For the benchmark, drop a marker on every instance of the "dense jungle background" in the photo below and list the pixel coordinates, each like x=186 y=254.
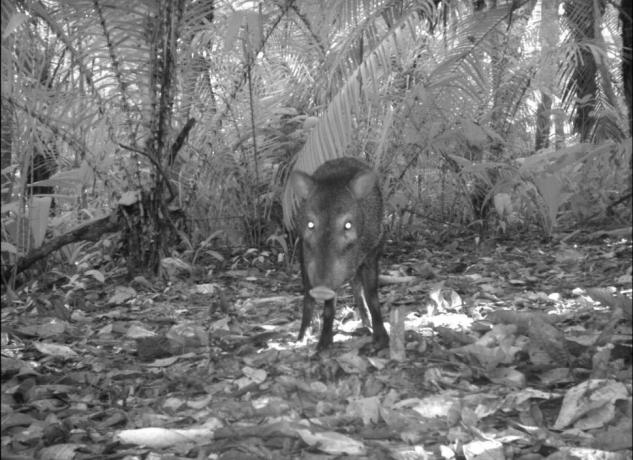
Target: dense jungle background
x=151 y=289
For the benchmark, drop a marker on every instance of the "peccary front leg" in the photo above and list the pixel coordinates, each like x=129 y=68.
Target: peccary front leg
x=369 y=276
x=308 y=300
x=328 y=322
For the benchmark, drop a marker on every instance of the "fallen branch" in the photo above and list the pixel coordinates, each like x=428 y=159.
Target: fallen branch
x=90 y=231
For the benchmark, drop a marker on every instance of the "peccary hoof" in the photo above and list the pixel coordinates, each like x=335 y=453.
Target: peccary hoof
x=380 y=342
x=325 y=342
x=375 y=346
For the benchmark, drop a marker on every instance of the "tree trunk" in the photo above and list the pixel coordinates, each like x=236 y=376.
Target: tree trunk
x=584 y=77
x=147 y=234
x=548 y=38
x=559 y=131
x=627 y=73
x=627 y=57
x=543 y=122
x=6 y=126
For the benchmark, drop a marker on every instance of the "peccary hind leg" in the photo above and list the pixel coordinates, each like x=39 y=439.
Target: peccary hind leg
x=306 y=318
x=360 y=301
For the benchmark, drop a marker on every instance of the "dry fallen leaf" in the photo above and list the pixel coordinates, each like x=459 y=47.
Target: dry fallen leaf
x=331 y=442
x=585 y=401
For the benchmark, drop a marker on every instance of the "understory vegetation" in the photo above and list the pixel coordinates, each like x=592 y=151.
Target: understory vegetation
x=151 y=288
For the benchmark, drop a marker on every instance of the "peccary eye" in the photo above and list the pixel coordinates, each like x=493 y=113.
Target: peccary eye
x=348 y=225
x=311 y=225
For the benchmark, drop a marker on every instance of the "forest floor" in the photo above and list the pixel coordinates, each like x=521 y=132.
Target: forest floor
x=516 y=349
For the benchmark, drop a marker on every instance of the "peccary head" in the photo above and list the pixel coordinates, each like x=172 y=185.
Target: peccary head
x=339 y=222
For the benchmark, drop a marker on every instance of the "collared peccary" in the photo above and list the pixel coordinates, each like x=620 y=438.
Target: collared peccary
x=340 y=226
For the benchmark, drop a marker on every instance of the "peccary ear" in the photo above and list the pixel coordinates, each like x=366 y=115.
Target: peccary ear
x=363 y=184
x=301 y=183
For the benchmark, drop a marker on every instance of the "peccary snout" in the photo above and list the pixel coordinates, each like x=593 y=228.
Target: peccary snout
x=322 y=293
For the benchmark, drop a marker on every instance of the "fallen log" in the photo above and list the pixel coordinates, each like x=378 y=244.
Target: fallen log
x=91 y=231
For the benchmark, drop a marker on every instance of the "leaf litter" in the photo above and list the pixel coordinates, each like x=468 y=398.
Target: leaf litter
x=521 y=349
